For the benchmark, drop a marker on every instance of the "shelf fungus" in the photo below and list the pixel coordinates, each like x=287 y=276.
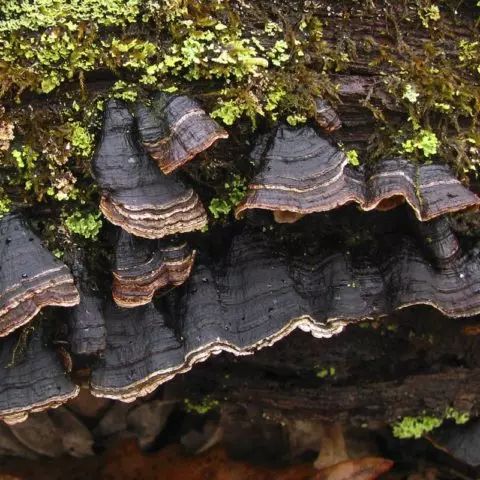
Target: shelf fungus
x=140 y=350
x=326 y=116
x=301 y=172
x=461 y=442
x=263 y=291
x=87 y=335
x=33 y=378
x=175 y=129
x=30 y=277
x=439 y=240
x=136 y=195
x=145 y=266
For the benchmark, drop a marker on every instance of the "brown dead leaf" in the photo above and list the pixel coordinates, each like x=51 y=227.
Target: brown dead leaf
x=368 y=468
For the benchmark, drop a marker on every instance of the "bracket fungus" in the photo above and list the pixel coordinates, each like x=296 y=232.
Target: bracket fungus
x=439 y=240
x=136 y=195
x=461 y=442
x=30 y=277
x=175 y=129
x=140 y=348
x=263 y=291
x=326 y=117
x=301 y=172
x=87 y=325
x=33 y=383
x=144 y=266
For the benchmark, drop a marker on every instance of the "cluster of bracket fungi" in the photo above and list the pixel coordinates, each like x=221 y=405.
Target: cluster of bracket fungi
x=257 y=293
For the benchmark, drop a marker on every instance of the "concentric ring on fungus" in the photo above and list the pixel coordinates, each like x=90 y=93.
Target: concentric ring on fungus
x=136 y=195
x=30 y=277
x=263 y=292
x=34 y=382
x=145 y=266
x=87 y=335
x=174 y=129
x=301 y=172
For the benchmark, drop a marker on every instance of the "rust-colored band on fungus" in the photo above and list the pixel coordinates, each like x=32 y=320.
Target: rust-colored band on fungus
x=174 y=129
x=301 y=172
x=30 y=277
x=265 y=290
x=32 y=380
x=145 y=266
x=136 y=195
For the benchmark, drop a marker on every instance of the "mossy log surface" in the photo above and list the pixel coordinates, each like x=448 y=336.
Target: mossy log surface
x=414 y=362
x=404 y=80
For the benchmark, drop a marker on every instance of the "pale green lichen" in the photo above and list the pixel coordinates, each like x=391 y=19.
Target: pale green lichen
x=410 y=93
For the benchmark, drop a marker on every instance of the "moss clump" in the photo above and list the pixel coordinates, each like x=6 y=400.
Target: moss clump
x=87 y=226
x=325 y=372
x=250 y=63
x=234 y=191
x=458 y=417
x=424 y=141
x=202 y=408
x=416 y=427
x=36 y=14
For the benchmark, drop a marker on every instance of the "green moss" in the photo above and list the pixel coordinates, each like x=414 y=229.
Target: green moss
x=459 y=417
x=86 y=225
x=325 y=372
x=249 y=65
x=352 y=156
x=36 y=14
x=425 y=141
x=234 y=192
x=5 y=203
x=202 y=408
x=81 y=138
x=416 y=427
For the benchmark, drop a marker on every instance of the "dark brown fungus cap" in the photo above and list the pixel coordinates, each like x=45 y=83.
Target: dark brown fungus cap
x=301 y=172
x=32 y=381
x=175 y=129
x=262 y=292
x=462 y=442
x=326 y=116
x=87 y=335
x=30 y=277
x=140 y=350
x=144 y=266
x=136 y=195
x=439 y=240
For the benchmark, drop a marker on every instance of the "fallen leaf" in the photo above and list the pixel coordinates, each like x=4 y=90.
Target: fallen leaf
x=368 y=468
